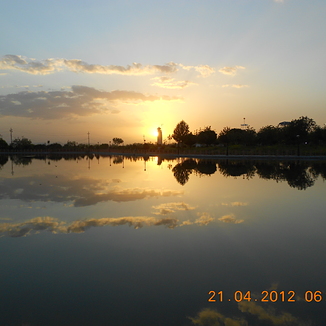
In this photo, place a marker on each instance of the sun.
(154, 133)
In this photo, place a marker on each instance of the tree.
(298, 130)
(54, 146)
(22, 143)
(3, 143)
(190, 139)
(224, 136)
(70, 144)
(236, 136)
(268, 135)
(318, 136)
(180, 131)
(117, 141)
(207, 136)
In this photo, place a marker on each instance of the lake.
(149, 241)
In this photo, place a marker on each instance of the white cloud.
(230, 219)
(235, 85)
(235, 203)
(168, 208)
(30, 66)
(204, 70)
(134, 69)
(204, 219)
(171, 83)
(232, 71)
(49, 66)
(239, 86)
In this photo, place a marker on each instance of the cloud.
(79, 191)
(49, 66)
(168, 208)
(230, 219)
(37, 224)
(171, 83)
(136, 222)
(187, 222)
(263, 314)
(235, 85)
(212, 317)
(123, 195)
(204, 70)
(232, 71)
(79, 101)
(209, 316)
(135, 69)
(204, 219)
(239, 86)
(54, 225)
(17, 62)
(235, 203)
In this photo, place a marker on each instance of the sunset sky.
(124, 68)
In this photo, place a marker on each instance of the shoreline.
(171, 155)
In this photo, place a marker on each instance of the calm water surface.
(142, 241)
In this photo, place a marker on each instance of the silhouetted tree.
(237, 168)
(207, 136)
(3, 160)
(268, 135)
(54, 146)
(190, 139)
(70, 144)
(182, 170)
(3, 143)
(223, 136)
(21, 160)
(298, 130)
(237, 136)
(22, 143)
(318, 135)
(180, 131)
(206, 167)
(117, 141)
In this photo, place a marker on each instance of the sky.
(124, 68)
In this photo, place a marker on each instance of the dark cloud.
(80, 101)
(79, 191)
(37, 224)
(48, 66)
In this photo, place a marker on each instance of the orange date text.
(265, 296)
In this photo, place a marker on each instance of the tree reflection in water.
(298, 174)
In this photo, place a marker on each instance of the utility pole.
(88, 138)
(11, 136)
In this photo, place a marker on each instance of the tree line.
(21, 143)
(301, 130)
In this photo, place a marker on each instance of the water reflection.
(80, 191)
(252, 314)
(121, 243)
(54, 225)
(298, 174)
